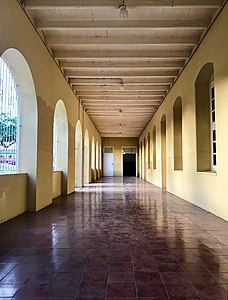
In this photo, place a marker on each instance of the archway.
(163, 151)
(86, 158)
(100, 161)
(144, 158)
(93, 175)
(27, 154)
(177, 134)
(97, 160)
(78, 155)
(60, 143)
(154, 148)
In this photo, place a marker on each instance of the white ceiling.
(119, 65)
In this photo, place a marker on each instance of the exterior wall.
(118, 143)
(50, 86)
(204, 189)
(12, 195)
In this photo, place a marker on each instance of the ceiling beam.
(119, 40)
(127, 88)
(97, 94)
(120, 97)
(118, 54)
(80, 65)
(72, 4)
(121, 25)
(122, 74)
(113, 82)
(110, 103)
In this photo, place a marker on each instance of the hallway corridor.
(115, 239)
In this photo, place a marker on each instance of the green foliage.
(8, 130)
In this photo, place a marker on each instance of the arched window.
(177, 134)
(100, 160)
(97, 157)
(86, 157)
(78, 155)
(154, 148)
(27, 117)
(163, 151)
(93, 159)
(148, 150)
(205, 119)
(60, 137)
(144, 157)
(9, 119)
(60, 143)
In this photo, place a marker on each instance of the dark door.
(129, 164)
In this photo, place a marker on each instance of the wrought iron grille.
(9, 102)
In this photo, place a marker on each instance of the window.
(154, 148)
(213, 126)
(148, 149)
(60, 138)
(55, 146)
(9, 121)
(177, 134)
(205, 119)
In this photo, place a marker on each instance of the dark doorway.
(129, 164)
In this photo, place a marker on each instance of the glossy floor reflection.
(115, 239)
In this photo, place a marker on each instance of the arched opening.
(97, 160)
(93, 173)
(60, 147)
(205, 119)
(148, 150)
(144, 164)
(27, 144)
(177, 134)
(100, 161)
(163, 150)
(140, 161)
(86, 158)
(154, 148)
(78, 155)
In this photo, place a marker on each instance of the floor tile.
(117, 238)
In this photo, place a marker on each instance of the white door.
(108, 161)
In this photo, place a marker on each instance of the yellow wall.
(118, 143)
(12, 195)
(56, 184)
(205, 189)
(17, 32)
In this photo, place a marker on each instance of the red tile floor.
(119, 239)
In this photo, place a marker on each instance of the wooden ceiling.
(121, 70)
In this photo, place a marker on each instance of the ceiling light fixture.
(121, 85)
(123, 12)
